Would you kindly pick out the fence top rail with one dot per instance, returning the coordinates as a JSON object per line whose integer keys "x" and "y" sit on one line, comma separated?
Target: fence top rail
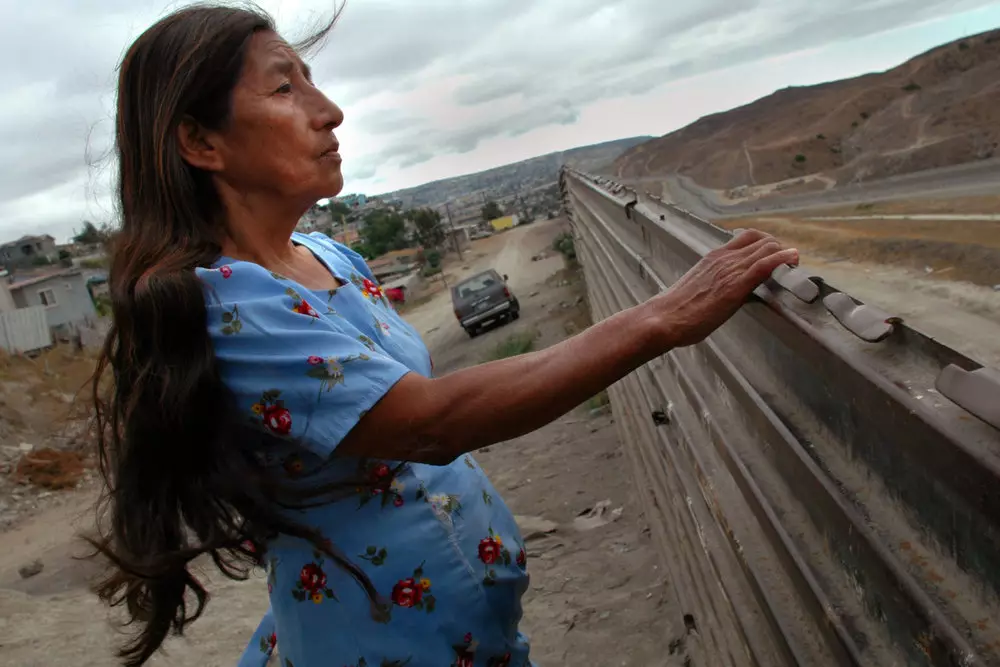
{"x": 844, "y": 322}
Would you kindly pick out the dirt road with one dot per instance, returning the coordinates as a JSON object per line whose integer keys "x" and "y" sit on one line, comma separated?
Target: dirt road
{"x": 596, "y": 597}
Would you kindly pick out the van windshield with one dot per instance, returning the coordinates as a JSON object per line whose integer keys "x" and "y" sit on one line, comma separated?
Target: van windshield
{"x": 472, "y": 286}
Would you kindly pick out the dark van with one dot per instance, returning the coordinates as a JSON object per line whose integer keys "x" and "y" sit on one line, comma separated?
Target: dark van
{"x": 482, "y": 300}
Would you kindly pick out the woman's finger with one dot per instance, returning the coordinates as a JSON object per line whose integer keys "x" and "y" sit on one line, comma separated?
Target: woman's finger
{"x": 759, "y": 250}
{"x": 744, "y": 239}
{"x": 762, "y": 268}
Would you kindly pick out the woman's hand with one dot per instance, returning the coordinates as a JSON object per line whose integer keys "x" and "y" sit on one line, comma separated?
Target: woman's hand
{"x": 715, "y": 288}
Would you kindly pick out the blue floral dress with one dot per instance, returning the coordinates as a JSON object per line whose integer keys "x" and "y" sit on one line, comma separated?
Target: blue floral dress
{"x": 437, "y": 542}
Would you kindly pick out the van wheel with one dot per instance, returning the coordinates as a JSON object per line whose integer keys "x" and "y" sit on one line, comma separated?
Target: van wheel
{"x": 472, "y": 331}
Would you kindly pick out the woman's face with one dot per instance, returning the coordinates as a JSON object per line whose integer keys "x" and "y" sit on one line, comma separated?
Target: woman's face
{"x": 280, "y": 141}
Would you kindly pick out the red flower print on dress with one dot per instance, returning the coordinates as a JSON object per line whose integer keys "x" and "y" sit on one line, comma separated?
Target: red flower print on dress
{"x": 491, "y": 552}
{"x": 272, "y": 412}
{"x": 267, "y": 644}
{"x": 226, "y": 271}
{"x": 407, "y": 593}
{"x": 371, "y": 290}
{"x": 300, "y": 305}
{"x": 414, "y": 592}
{"x": 312, "y": 582}
{"x": 314, "y": 360}
{"x": 303, "y": 308}
{"x": 522, "y": 559}
{"x": 277, "y": 419}
{"x": 383, "y": 483}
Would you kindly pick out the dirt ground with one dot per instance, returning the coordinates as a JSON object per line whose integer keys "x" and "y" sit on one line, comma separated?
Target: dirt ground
{"x": 597, "y": 596}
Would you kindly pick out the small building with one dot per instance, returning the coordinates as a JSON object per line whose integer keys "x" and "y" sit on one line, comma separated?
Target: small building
{"x": 29, "y": 250}
{"x": 65, "y": 296}
{"x": 506, "y": 222}
{"x": 458, "y": 237}
{"x": 395, "y": 263}
{"x": 354, "y": 201}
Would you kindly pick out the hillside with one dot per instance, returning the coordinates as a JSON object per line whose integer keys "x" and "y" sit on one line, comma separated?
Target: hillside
{"x": 519, "y": 176}
{"x": 939, "y": 109}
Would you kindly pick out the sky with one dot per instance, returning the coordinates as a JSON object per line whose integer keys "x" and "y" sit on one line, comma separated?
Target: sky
{"x": 439, "y": 88}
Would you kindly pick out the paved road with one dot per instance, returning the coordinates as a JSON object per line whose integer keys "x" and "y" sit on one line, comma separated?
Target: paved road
{"x": 967, "y": 180}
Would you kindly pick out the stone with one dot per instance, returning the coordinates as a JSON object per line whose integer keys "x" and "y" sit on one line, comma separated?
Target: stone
{"x": 32, "y": 569}
{"x": 535, "y": 527}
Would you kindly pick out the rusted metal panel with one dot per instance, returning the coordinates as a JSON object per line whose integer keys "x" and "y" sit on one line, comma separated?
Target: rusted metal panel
{"x": 816, "y": 496}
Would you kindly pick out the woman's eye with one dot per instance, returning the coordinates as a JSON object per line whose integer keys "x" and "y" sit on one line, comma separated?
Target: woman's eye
{"x": 284, "y": 89}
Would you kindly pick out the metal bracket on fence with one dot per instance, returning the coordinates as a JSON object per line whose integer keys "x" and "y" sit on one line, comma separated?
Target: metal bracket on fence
{"x": 796, "y": 281}
{"x": 977, "y": 391}
{"x": 660, "y": 417}
{"x": 864, "y": 321}
{"x": 628, "y": 208}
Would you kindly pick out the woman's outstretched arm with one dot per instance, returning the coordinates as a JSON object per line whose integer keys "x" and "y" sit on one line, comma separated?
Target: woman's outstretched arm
{"x": 436, "y": 420}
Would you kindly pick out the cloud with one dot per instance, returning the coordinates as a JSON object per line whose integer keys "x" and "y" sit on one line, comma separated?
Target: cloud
{"x": 423, "y": 84}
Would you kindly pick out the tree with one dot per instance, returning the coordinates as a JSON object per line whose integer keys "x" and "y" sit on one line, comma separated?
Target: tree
{"x": 430, "y": 231}
{"x": 492, "y": 211}
{"x": 384, "y": 231}
{"x": 338, "y": 211}
{"x": 90, "y": 234}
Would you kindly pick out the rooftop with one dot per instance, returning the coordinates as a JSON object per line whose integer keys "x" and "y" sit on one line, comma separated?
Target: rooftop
{"x": 34, "y": 280}
{"x": 27, "y": 239}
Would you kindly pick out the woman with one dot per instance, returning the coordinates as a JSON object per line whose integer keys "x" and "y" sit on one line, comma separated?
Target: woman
{"x": 268, "y": 405}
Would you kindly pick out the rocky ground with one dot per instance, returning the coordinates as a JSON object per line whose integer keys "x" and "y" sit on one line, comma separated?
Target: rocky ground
{"x": 597, "y": 596}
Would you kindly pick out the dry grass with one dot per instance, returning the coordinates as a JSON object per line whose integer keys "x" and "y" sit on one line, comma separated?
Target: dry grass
{"x": 51, "y": 469}
{"x": 516, "y": 344}
{"x": 963, "y": 205}
{"x": 955, "y": 250}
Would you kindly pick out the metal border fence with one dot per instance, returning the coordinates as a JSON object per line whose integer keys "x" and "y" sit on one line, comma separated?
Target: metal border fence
{"x": 823, "y": 481}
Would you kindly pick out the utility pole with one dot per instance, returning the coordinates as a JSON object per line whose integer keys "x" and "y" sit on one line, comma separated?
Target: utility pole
{"x": 451, "y": 225}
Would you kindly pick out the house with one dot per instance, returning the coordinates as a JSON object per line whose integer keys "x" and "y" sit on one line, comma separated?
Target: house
{"x": 395, "y": 263}
{"x": 67, "y": 301}
{"x": 29, "y": 250}
{"x": 313, "y": 219}
{"x": 354, "y": 201}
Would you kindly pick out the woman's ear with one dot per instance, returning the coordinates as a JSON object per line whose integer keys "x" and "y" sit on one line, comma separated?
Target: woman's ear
{"x": 197, "y": 147}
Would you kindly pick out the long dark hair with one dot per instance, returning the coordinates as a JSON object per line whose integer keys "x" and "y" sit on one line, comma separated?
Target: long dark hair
{"x": 180, "y": 482}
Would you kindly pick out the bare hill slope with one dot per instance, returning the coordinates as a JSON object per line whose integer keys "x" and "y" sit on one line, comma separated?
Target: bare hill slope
{"x": 938, "y": 109}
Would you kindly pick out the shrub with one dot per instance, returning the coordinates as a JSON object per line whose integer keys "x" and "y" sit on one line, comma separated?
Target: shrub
{"x": 433, "y": 258}
{"x": 821, "y": 137}
{"x": 564, "y": 244}
{"x": 800, "y": 158}
{"x": 911, "y": 86}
